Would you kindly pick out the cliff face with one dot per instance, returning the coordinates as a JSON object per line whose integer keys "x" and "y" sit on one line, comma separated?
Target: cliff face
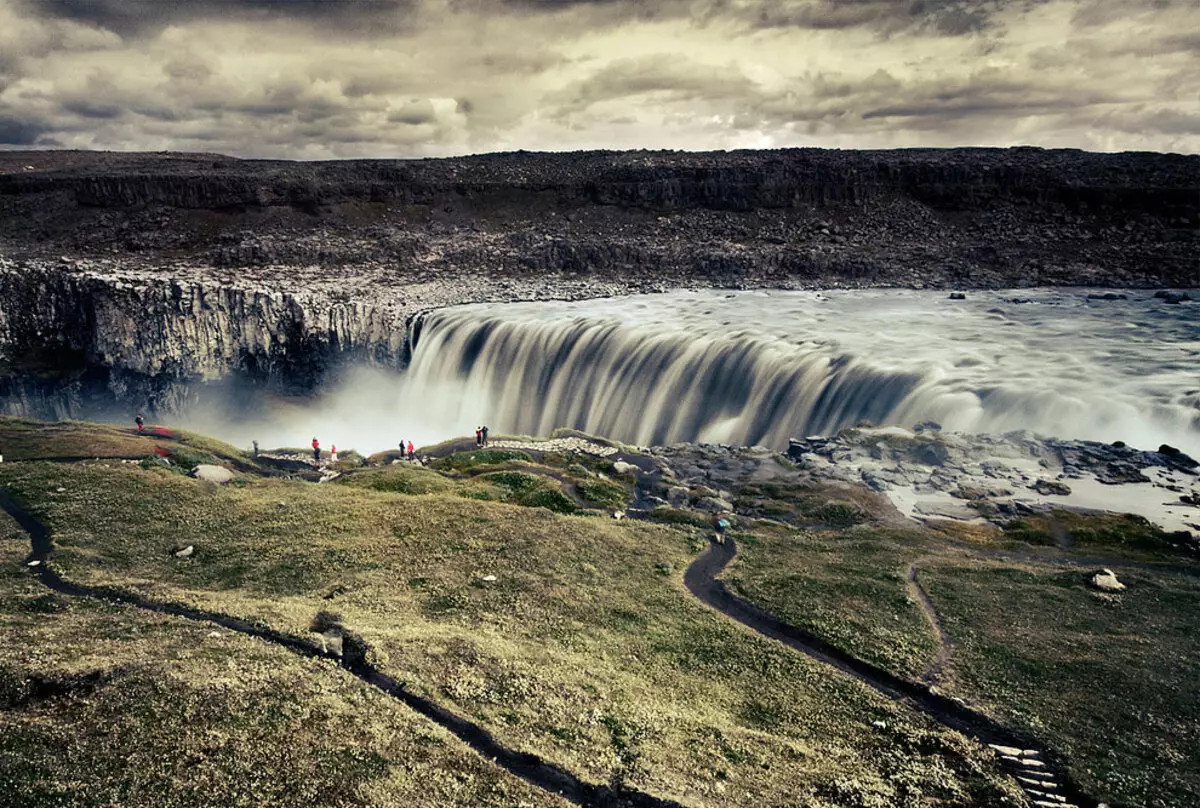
{"x": 76, "y": 342}
{"x": 132, "y": 277}
{"x": 972, "y": 217}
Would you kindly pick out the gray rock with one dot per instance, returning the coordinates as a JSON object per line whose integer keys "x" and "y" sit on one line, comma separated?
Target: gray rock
{"x": 713, "y": 505}
{"x": 1051, "y": 488}
{"x": 621, "y": 467}
{"x": 678, "y": 496}
{"x": 212, "y": 474}
{"x": 948, "y": 510}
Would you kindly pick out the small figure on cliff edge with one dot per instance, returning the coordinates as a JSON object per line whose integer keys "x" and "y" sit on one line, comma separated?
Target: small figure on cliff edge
{"x": 141, "y": 423}
{"x": 478, "y": 436}
{"x": 485, "y": 431}
{"x": 412, "y": 451}
{"x": 316, "y": 444}
{"x": 255, "y": 447}
{"x": 333, "y": 453}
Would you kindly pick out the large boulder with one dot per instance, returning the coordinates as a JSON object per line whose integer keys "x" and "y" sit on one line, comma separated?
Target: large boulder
{"x": 212, "y": 474}
{"x": 621, "y": 467}
{"x": 713, "y": 504}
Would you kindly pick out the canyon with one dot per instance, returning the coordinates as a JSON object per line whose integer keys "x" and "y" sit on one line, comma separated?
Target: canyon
{"x": 135, "y": 280}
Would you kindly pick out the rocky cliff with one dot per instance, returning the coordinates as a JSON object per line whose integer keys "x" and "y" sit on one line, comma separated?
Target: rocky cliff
{"x": 130, "y": 276}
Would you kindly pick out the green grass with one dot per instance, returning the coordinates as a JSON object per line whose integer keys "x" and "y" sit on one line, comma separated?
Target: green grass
{"x": 585, "y": 649}
{"x": 581, "y": 650}
{"x": 473, "y": 462}
{"x": 1122, "y": 532}
{"x": 183, "y": 718}
{"x": 847, "y": 588}
{"x": 602, "y": 493}
{"x": 1108, "y": 681}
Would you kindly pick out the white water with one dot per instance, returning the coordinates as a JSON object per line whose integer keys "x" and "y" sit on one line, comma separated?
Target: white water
{"x": 760, "y": 367}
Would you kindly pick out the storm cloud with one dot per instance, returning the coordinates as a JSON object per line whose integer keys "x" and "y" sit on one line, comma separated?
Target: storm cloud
{"x": 393, "y": 78}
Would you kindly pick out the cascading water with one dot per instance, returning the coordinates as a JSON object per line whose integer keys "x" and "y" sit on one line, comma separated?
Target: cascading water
{"x": 758, "y": 368}
{"x": 761, "y": 367}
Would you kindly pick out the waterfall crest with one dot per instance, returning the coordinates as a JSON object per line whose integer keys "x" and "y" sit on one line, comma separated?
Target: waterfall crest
{"x": 737, "y": 370}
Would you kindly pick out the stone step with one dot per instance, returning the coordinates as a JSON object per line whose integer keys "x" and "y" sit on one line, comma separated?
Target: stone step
{"x": 1007, "y": 751}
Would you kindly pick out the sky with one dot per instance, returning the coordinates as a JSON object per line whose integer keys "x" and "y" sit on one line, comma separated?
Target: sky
{"x": 322, "y": 79}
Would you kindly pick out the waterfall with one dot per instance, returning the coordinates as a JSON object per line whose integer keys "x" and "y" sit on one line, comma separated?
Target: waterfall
{"x": 756, "y": 369}
{"x": 650, "y": 386}
{"x": 762, "y": 367}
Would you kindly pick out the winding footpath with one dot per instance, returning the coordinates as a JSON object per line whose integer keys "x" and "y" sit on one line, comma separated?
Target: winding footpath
{"x": 528, "y": 767}
{"x": 1041, "y": 775}
{"x": 920, "y": 597}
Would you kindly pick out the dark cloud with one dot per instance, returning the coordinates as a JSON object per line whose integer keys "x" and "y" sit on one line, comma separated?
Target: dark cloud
{"x": 132, "y": 17}
{"x": 343, "y": 78}
{"x": 17, "y": 132}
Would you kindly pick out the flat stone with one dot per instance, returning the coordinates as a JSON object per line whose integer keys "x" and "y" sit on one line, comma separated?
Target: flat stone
{"x": 185, "y": 552}
{"x": 489, "y": 579}
{"x": 1010, "y": 751}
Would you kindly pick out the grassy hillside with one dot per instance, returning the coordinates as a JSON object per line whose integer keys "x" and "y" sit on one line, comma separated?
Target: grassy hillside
{"x": 567, "y": 635}
{"x": 1106, "y": 679}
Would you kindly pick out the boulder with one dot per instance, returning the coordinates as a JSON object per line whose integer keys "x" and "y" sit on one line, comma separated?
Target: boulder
{"x": 212, "y": 474}
{"x": 1106, "y": 581}
{"x": 621, "y": 467}
{"x": 713, "y": 505}
{"x": 185, "y": 552}
{"x": 678, "y": 496}
{"x": 1051, "y": 488}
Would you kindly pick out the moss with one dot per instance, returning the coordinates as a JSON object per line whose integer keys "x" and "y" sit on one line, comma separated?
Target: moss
{"x": 602, "y": 493}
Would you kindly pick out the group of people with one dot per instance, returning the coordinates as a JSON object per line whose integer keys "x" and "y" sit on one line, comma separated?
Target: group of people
{"x": 481, "y": 436}
{"x": 405, "y": 450}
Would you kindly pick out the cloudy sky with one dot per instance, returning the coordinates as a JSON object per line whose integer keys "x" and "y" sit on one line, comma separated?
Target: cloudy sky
{"x": 398, "y": 78}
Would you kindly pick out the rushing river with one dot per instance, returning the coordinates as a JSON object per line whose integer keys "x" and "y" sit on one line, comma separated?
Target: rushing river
{"x": 760, "y": 367}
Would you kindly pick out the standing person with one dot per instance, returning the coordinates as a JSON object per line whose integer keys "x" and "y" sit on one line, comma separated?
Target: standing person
{"x": 255, "y": 447}
{"x": 412, "y": 451}
{"x": 333, "y": 453}
{"x": 402, "y": 448}
{"x": 478, "y": 436}
{"x": 141, "y": 422}
{"x": 485, "y": 436}
{"x": 316, "y": 450}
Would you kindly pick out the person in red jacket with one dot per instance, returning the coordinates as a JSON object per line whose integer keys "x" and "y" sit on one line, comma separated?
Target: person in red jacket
{"x": 316, "y": 450}
{"x": 412, "y": 451}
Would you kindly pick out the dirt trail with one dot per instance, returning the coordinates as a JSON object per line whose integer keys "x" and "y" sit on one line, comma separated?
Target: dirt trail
{"x": 919, "y": 596}
{"x": 1039, "y": 772}
{"x": 528, "y": 767}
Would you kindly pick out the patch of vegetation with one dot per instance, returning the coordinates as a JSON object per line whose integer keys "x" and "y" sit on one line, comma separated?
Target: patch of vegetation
{"x": 1103, "y": 679}
{"x": 678, "y": 516}
{"x": 400, "y": 479}
{"x": 473, "y": 462}
{"x": 549, "y": 498}
{"x": 1096, "y": 530}
{"x": 602, "y": 493}
{"x": 848, "y": 589}
{"x": 526, "y": 620}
